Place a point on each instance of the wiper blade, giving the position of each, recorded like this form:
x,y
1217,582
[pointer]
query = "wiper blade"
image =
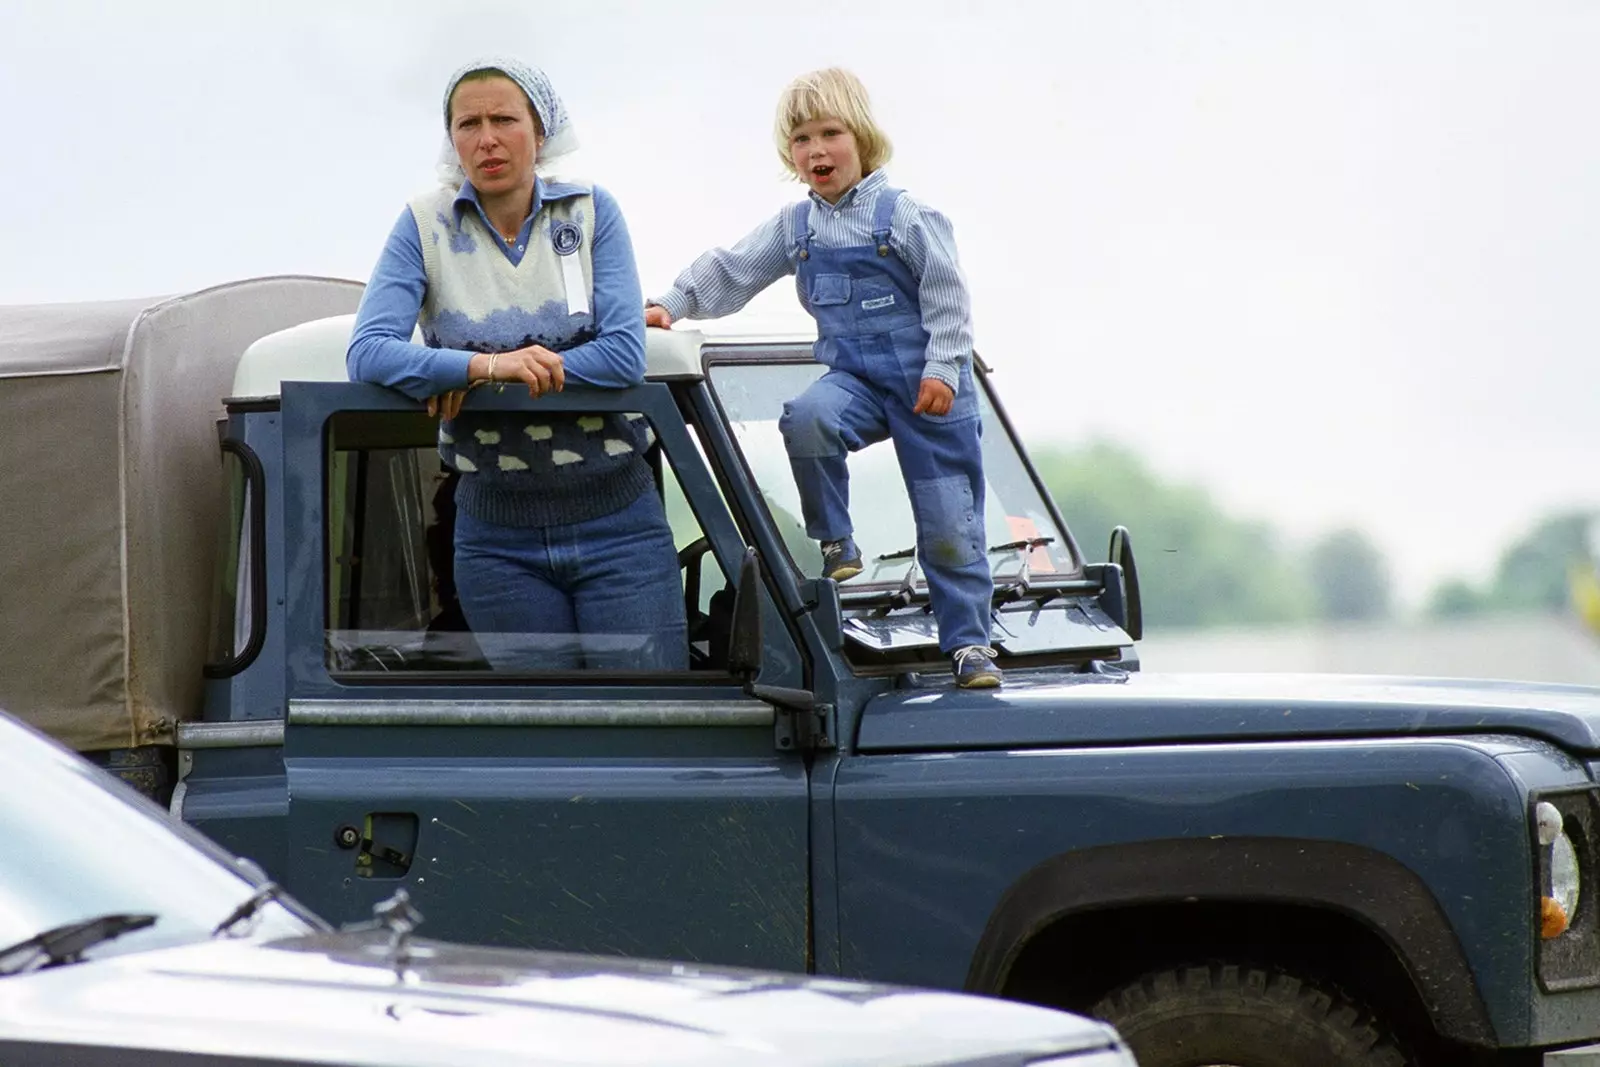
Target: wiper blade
x,y
1016,587
265,892
1021,583
1018,546
886,600
65,944
906,591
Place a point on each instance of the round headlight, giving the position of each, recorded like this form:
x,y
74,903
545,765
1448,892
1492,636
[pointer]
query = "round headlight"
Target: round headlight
x,y
1549,820
1562,865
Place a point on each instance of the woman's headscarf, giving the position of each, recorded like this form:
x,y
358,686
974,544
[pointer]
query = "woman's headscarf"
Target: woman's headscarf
x,y
560,140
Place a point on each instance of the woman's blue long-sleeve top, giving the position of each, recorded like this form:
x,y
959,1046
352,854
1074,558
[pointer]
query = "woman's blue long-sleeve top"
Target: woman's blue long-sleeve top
x,y
381,349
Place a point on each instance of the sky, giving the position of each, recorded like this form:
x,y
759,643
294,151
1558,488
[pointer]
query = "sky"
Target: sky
x,y
1330,260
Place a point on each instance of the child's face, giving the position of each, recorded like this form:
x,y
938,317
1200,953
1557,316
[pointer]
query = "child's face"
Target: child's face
x,y
824,155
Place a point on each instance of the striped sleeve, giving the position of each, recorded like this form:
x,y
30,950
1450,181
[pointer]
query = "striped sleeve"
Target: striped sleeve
x,y
926,241
724,280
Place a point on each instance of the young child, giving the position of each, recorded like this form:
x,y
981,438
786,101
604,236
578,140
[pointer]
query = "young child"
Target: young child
x,y
878,272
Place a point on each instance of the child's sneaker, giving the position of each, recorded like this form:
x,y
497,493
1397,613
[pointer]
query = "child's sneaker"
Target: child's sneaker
x,y
974,668
841,559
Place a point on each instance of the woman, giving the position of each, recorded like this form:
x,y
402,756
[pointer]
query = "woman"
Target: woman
x,y
513,277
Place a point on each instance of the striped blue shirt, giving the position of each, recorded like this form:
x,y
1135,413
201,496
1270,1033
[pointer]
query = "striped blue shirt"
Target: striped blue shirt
x,y
723,280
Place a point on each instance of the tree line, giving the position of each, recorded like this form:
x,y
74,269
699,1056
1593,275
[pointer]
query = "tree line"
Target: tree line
x,y
1201,566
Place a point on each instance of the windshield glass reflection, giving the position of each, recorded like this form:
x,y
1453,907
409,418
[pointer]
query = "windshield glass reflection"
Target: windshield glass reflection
x,y
75,850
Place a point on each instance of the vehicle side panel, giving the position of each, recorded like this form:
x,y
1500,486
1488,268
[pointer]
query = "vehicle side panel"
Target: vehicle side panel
x,y
916,895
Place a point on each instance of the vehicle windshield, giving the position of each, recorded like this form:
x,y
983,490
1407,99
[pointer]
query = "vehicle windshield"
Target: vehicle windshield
x,y
753,395
77,847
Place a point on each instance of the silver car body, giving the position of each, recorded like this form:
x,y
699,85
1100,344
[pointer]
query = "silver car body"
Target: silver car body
x,y
280,987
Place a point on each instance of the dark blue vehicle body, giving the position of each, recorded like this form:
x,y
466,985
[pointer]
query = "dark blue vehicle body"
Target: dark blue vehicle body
x,y
1050,841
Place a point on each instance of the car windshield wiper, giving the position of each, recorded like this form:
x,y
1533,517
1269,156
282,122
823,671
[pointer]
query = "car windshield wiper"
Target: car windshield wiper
x,y
265,892
66,944
904,593
1020,583
1018,586
1022,546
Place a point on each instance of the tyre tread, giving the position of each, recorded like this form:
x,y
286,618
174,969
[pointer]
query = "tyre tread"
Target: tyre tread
x,y
1357,1028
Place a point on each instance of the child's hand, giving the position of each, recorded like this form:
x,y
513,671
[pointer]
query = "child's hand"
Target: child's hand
x,y
934,398
656,315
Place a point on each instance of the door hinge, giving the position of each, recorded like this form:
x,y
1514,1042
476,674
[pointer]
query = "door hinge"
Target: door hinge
x,y
807,729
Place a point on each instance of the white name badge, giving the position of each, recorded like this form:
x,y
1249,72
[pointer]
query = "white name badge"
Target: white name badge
x,y
566,238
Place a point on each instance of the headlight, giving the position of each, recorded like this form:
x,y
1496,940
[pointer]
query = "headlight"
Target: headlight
x,y
1559,905
1565,826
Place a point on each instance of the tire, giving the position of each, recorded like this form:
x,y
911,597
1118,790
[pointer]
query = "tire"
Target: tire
x,y
1232,1016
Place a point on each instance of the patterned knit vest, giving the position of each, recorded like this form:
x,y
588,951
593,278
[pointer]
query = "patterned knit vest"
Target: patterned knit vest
x,y
521,468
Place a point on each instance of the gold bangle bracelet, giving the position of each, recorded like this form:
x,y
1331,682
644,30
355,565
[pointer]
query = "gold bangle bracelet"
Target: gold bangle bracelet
x,y
492,357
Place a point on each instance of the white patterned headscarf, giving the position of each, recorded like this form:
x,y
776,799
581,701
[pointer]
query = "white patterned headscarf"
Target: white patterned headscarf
x,y
560,140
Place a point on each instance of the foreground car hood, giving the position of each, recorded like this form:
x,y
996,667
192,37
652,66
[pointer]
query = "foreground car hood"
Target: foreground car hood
x,y
337,998
1138,708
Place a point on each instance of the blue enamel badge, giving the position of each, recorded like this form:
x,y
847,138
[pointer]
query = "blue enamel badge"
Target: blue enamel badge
x,y
565,237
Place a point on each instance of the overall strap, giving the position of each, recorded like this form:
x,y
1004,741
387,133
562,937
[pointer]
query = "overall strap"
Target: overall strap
x,y
883,218
801,215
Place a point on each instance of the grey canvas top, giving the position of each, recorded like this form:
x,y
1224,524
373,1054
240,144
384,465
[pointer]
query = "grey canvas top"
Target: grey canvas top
x,y
111,498
65,338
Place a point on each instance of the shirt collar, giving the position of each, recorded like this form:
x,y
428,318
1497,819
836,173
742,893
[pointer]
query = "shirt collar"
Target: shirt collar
x,y
467,196
870,184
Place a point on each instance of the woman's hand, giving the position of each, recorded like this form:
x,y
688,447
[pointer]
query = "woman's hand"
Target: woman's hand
x,y
658,316
447,404
540,369
934,398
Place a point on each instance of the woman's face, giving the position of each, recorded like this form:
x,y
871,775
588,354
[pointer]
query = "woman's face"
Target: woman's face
x,y
495,134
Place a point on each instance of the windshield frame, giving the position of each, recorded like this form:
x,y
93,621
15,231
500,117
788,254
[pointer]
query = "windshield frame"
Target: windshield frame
x,y
862,589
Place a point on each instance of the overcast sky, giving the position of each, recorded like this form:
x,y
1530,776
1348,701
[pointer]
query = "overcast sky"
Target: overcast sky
x,y
1332,260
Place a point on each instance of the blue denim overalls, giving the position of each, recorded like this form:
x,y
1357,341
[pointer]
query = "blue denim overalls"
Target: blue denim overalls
x,y
870,336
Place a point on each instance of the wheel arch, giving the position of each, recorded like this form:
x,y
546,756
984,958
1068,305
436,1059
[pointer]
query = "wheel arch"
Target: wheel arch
x,y
1154,902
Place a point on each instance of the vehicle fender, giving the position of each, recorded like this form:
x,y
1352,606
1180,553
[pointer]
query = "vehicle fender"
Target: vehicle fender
x,y
1373,888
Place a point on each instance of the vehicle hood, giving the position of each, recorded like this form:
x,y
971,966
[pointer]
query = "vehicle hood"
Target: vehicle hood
x,y
1046,710
338,998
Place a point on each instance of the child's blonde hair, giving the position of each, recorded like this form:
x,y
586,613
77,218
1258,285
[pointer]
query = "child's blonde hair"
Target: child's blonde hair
x,y
830,94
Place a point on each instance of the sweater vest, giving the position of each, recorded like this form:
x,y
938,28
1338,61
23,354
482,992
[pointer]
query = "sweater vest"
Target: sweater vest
x,y
524,468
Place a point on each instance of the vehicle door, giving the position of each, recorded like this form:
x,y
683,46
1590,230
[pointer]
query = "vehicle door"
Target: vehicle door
x,y
597,810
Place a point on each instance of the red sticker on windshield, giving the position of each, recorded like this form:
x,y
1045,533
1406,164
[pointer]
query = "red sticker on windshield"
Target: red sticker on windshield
x,y
1025,529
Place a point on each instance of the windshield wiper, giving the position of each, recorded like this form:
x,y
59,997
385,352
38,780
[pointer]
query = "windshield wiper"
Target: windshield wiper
x,y
1017,546
907,591
1018,586
1021,583
887,600
265,892
65,944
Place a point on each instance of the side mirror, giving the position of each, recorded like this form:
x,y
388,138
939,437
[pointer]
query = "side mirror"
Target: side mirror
x,y
744,646
1121,553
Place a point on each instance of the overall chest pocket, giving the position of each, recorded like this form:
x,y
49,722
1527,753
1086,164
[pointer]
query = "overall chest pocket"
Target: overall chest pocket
x,y
829,289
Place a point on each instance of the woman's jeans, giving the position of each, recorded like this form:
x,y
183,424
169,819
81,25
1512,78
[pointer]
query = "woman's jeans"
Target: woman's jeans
x,y
603,594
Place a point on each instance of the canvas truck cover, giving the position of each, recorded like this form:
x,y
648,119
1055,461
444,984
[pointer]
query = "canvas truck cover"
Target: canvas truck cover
x,y
111,499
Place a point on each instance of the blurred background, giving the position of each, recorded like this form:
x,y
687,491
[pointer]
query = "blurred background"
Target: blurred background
x,y
1300,292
